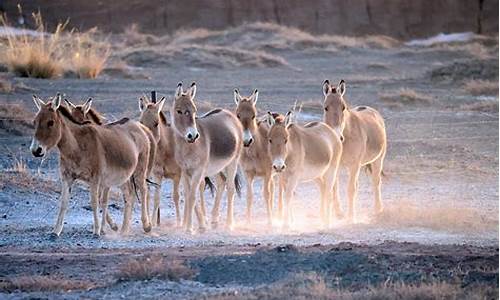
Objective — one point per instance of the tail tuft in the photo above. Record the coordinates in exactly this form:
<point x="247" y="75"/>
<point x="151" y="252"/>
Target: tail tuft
<point x="210" y="185"/>
<point x="237" y="184"/>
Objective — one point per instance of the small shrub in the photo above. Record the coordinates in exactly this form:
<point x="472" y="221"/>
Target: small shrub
<point x="42" y="283"/>
<point x="405" y="96"/>
<point x="146" y="268"/>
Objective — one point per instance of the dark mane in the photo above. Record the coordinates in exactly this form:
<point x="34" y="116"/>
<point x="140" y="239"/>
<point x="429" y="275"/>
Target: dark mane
<point x="63" y="110"/>
<point x="95" y="116"/>
<point x="118" y="122"/>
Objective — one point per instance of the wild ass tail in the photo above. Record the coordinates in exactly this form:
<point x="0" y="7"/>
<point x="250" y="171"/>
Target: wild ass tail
<point x="368" y="169"/>
<point x="237" y="183"/>
<point x="210" y="185"/>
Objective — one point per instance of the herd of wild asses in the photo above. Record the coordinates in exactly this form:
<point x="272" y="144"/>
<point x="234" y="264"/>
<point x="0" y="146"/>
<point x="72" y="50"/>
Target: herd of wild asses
<point x="196" y="151"/>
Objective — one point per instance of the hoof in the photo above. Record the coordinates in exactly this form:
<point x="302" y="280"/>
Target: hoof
<point x="114" y="227"/>
<point x="53" y="236"/>
<point x="189" y="231"/>
<point x="202" y="230"/>
<point x="229" y="226"/>
<point x="96" y="235"/>
<point x="147" y="228"/>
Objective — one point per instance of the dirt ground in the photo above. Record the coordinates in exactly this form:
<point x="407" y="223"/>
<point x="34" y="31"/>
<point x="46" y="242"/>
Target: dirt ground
<point x="438" y="232"/>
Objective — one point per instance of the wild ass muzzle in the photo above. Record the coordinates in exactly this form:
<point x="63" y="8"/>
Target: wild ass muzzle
<point x="364" y="141"/>
<point x="304" y="153"/>
<point x="102" y="156"/>
<point x="205" y="146"/>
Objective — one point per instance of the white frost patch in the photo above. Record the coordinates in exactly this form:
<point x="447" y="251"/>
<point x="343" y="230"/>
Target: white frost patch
<point x="8" y="30"/>
<point x="442" y="38"/>
<point x="487" y="98"/>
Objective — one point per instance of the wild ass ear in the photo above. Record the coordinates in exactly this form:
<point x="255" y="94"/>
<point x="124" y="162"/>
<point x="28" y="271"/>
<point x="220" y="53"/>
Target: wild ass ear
<point x="159" y="105"/>
<point x="255" y="96"/>
<point x="69" y="103"/>
<point x="237" y="96"/>
<point x="341" y="87"/>
<point x="38" y="102"/>
<point x="326" y="87"/>
<point x="288" y="118"/>
<point x="192" y="90"/>
<point x="87" y="105"/>
<point x="56" y="102"/>
<point x="143" y="103"/>
<point x="178" y="91"/>
<point x="270" y="119"/>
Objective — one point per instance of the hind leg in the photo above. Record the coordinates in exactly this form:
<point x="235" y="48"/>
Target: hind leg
<point x="220" y="184"/>
<point x="202" y="207"/>
<point x="104" y="194"/>
<point x="129" y="203"/>
<point x="94" y="202"/>
<point x="324" y="205"/>
<point x="377" y="182"/>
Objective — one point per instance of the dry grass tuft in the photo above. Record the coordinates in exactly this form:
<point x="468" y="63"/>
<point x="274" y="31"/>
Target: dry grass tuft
<point x="39" y="283"/>
<point x="48" y="55"/>
<point x="146" y="268"/>
<point x="405" y="96"/>
<point x="481" y="87"/>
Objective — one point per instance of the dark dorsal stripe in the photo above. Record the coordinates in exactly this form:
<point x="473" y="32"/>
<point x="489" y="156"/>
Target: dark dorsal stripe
<point x="212" y="112"/>
<point x="96" y="117"/>
<point x="67" y="114"/>
<point x="312" y="124"/>
<point x="360" y="108"/>
<point x="119" y="122"/>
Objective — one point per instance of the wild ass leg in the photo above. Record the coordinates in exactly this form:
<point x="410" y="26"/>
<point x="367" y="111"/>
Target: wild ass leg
<point x="220" y="184"/>
<point x="268" y="186"/>
<point x="176" y="196"/>
<point x="104" y="191"/>
<point x="231" y="187"/>
<point x="104" y="207"/>
<point x="352" y="189"/>
<point x="191" y="186"/>
<point x="155" y="217"/>
<point x="323" y="209"/>
<point x="94" y="202"/>
<point x="335" y="199"/>
<point x="143" y="191"/>
<point x="202" y="209"/>
<point x="289" y="189"/>
<point x="64" y="198"/>
<point x="129" y="203"/>
<point x="249" y="177"/>
<point x="377" y="182"/>
<point x="281" y="190"/>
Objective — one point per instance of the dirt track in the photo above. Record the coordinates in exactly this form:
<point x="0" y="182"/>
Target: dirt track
<point x="440" y="193"/>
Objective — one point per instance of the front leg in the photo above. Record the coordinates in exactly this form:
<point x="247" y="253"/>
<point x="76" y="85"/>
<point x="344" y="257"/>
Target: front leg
<point x="249" y="177"/>
<point x="63" y="199"/>
<point x="289" y="189"/>
<point x="352" y="190"/>
<point x="268" y="187"/>
<point x="155" y="217"/>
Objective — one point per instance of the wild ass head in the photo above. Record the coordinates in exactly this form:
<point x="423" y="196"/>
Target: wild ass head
<point x="151" y="114"/>
<point x="82" y="112"/>
<point x="278" y="138"/>
<point x="246" y="112"/>
<point x="47" y="126"/>
<point x="183" y="113"/>
<point x="334" y="106"/>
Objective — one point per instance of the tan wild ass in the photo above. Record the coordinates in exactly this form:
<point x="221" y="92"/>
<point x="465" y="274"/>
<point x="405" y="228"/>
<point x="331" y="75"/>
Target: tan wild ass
<point x="304" y="153"/>
<point x="102" y="156"/>
<point x="364" y="140"/>
<point x="205" y="146"/>
<point x="255" y="160"/>
<point x="166" y="166"/>
<point x="85" y="112"/>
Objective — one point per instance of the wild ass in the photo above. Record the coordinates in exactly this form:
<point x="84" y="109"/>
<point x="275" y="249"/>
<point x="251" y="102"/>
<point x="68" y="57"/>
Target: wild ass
<point x="85" y="112"/>
<point x="165" y="165"/>
<point x="304" y="153"/>
<point x="205" y="146"/>
<point x="255" y="159"/>
<point x="364" y="141"/>
<point x="102" y="156"/>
